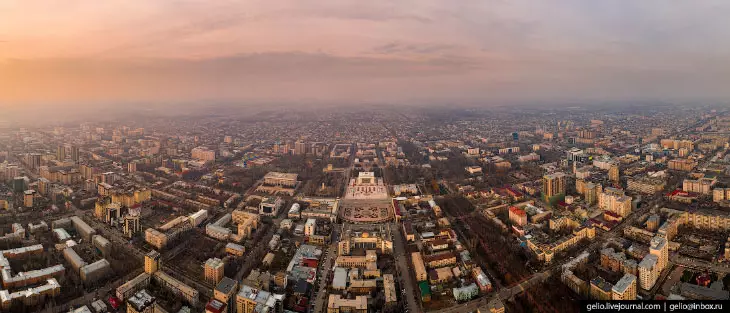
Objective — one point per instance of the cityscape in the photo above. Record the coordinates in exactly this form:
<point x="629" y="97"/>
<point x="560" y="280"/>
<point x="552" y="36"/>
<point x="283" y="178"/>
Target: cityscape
<point x="343" y="156"/>
<point x="443" y="211"/>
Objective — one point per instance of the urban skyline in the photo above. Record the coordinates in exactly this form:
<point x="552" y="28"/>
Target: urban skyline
<point x="341" y="156"/>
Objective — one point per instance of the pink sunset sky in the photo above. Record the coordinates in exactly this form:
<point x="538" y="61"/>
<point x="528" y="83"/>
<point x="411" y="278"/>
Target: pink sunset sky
<point x="420" y="51"/>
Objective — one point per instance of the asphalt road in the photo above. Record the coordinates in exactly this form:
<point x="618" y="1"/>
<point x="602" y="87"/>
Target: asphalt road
<point x="404" y="273"/>
<point x="324" y="273"/>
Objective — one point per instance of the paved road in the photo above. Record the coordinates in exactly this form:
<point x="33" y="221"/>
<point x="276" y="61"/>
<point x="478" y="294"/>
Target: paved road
<point x="325" y="271"/>
<point x="255" y="255"/>
<point x="413" y="303"/>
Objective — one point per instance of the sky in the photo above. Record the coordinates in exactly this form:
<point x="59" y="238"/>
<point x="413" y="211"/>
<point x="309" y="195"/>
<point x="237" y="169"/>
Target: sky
<point x="350" y="52"/>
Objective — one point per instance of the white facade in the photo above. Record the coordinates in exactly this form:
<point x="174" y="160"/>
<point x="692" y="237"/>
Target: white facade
<point x="366" y="186"/>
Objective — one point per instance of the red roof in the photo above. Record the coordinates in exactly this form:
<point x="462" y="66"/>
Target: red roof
<point x="514" y="192"/>
<point x="517" y="211"/>
<point x="215" y="306"/>
<point x="310" y="262"/>
<point x="115" y="302"/>
<point x="678" y="192"/>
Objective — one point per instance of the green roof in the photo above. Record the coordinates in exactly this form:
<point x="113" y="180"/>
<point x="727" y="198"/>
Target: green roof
<point x="425" y="289"/>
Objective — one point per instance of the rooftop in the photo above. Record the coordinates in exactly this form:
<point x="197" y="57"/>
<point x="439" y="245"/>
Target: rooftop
<point x="226" y="285"/>
<point x="601" y="284"/>
<point x="141" y="300"/>
<point x="279" y="175"/>
<point x="214" y="263"/>
<point x="658" y="243"/>
<point x="215" y="306"/>
<point x="359" y="303"/>
<point x="624" y="283"/>
<point x="649" y="261"/>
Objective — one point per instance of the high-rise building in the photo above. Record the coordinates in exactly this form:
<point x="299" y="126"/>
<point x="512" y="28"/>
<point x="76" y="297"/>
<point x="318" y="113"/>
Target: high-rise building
<point x="614" y="200"/>
<point x="300" y="148"/>
<point x="575" y="154"/>
<point x="61" y="152"/>
<point x="625" y="288"/>
<point x="75" y="153"/>
<point x="553" y="184"/>
<point x="592" y="193"/>
<point x="613" y="173"/>
<point x="33" y="160"/>
<point x="132" y="225"/>
<point x="152" y="262"/>
<point x="225" y="291"/>
<point x="214" y="269"/>
<point x="28" y="198"/>
<point x="702" y="185"/>
<point x="44" y="186"/>
<point x="648" y="271"/>
<point x="659" y="247"/>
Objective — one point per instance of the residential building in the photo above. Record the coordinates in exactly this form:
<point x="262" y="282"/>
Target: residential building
<point x="189" y="294"/>
<point x="214" y="270"/>
<point x="225" y="291"/>
<point x="418" y="267"/>
<point x="702" y="185"/>
<point x="203" y="154"/>
<point x="250" y="299"/>
<point x="660" y="247"/>
<point x="338" y="304"/>
<point x="681" y="165"/>
<point x="601" y="289"/>
<point x="440" y="259"/>
<point x="625" y="288"/>
<point x="141" y="302"/>
<point x="553" y="184"/>
<point x="645" y="185"/>
<point x="648" y="271"/>
<point x="467" y="292"/>
<point x="616" y="201"/>
<point x="517" y="216"/>
<point x="152" y="262"/>
<point x="613" y="173"/>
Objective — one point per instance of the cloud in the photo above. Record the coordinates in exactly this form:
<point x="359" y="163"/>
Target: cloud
<point x="348" y="50"/>
<point x="425" y="48"/>
<point x="178" y="33"/>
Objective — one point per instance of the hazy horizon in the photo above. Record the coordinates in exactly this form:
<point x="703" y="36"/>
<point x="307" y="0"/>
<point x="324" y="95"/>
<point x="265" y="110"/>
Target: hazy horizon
<point x="161" y="53"/>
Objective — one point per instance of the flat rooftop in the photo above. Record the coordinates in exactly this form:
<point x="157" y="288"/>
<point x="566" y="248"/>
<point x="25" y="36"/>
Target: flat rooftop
<point x="226" y="285"/>
<point x="280" y="175"/>
<point x="624" y="283"/>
